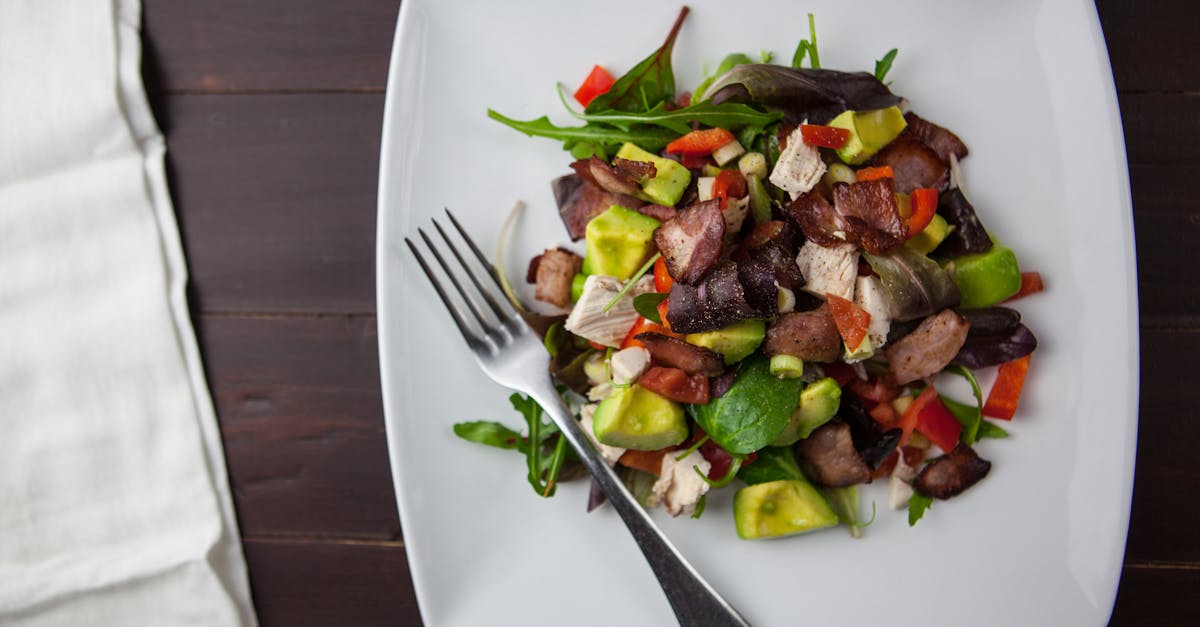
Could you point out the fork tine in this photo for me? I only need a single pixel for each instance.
(486, 293)
(472, 340)
(475, 249)
(488, 328)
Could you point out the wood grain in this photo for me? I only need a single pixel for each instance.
(302, 422)
(1163, 594)
(1151, 45)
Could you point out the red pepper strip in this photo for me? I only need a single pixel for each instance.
(939, 425)
(645, 461)
(597, 82)
(870, 174)
(643, 325)
(662, 278)
(851, 320)
(597, 345)
(1031, 283)
(924, 205)
(702, 142)
(824, 136)
(1006, 391)
(908, 420)
(676, 385)
(839, 372)
(729, 184)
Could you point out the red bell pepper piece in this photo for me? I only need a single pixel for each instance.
(702, 142)
(908, 420)
(1006, 391)
(597, 82)
(676, 385)
(662, 315)
(938, 424)
(824, 136)
(729, 184)
(924, 205)
(645, 461)
(871, 174)
(1031, 283)
(851, 320)
(642, 325)
(662, 278)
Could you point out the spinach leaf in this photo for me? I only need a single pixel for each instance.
(729, 116)
(772, 464)
(489, 433)
(808, 46)
(917, 504)
(647, 305)
(651, 138)
(755, 410)
(882, 66)
(649, 83)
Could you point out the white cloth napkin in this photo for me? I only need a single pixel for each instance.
(114, 503)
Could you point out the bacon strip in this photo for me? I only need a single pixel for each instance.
(691, 242)
(676, 353)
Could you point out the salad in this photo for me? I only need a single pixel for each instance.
(778, 270)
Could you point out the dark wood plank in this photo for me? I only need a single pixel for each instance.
(1161, 129)
(302, 583)
(276, 199)
(1167, 227)
(268, 45)
(1157, 595)
(1151, 45)
(301, 416)
(1161, 519)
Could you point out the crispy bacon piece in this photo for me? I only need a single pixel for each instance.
(691, 242)
(914, 165)
(809, 335)
(552, 276)
(636, 171)
(929, 348)
(941, 140)
(829, 456)
(871, 214)
(662, 213)
(579, 201)
(676, 353)
(816, 218)
(719, 300)
(952, 473)
(676, 385)
(598, 172)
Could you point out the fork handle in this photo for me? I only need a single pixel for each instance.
(694, 601)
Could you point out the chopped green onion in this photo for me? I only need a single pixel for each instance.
(633, 279)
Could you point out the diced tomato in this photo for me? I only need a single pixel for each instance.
(884, 414)
(871, 174)
(824, 136)
(695, 162)
(1006, 391)
(702, 142)
(938, 424)
(840, 372)
(908, 420)
(662, 315)
(645, 461)
(729, 184)
(662, 278)
(597, 82)
(851, 320)
(1031, 283)
(876, 390)
(676, 385)
(642, 325)
(924, 205)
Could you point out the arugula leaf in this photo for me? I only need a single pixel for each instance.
(647, 305)
(650, 138)
(882, 66)
(489, 433)
(727, 115)
(969, 416)
(917, 504)
(991, 430)
(649, 83)
(543, 470)
(809, 47)
(773, 463)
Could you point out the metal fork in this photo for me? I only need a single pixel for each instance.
(510, 353)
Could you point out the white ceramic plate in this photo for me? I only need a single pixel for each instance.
(1028, 87)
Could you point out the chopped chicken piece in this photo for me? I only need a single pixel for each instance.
(589, 320)
(628, 364)
(735, 213)
(799, 167)
(679, 488)
(868, 294)
(832, 270)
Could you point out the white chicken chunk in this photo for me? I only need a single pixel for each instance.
(587, 417)
(799, 167)
(679, 488)
(628, 364)
(868, 294)
(588, 318)
(829, 270)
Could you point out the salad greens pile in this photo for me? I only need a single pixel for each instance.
(780, 269)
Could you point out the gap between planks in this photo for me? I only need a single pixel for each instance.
(289, 315)
(1184, 566)
(324, 540)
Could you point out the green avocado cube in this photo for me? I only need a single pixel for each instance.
(818, 403)
(670, 180)
(734, 342)
(636, 418)
(618, 242)
(985, 279)
(780, 508)
(870, 131)
(933, 234)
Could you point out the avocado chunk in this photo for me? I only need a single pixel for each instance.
(818, 403)
(639, 419)
(670, 179)
(734, 342)
(985, 279)
(780, 508)
(619, 241)
(870, 131)
(933, 235)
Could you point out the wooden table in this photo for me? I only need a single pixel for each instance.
(272, 113)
